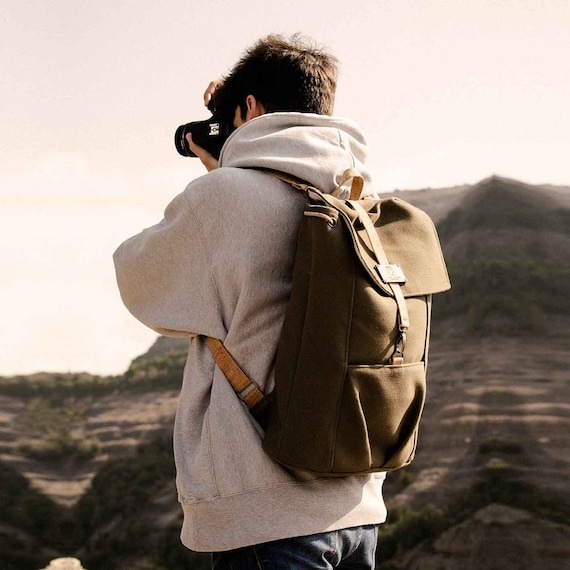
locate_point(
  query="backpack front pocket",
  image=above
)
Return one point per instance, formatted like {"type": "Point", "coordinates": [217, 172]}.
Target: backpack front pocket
{"type": "Point", "coordinates": [379, 417]}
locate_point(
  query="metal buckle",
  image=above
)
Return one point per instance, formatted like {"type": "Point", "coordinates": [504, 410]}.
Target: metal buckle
{"type": "Point", "coordinates": [397, 357]}
{"type": "Point", "coordinates": [391, 273]}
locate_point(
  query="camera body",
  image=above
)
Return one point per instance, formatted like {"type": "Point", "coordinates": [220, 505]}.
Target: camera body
{"type": "Point", "coordinates": [210, 134]}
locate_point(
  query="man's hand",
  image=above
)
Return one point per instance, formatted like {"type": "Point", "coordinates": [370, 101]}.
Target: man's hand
{"type": "Point", "coordinates": [210, 90]}
{"type": "Point", "coordinates": [207, 159]}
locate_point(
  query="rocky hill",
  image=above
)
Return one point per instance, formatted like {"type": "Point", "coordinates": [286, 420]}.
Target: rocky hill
{"type": "Point", "coordinates": [507, 248]}
{"type": "Point", "coordinates": [86, 462]}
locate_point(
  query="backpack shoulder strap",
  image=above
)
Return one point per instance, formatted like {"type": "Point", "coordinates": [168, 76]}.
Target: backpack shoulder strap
{"type": "Point", "coordinates": [297, 183]}
{"type": "Point", "coordinates": [347, 175]}
{"type": "Point", "coordinates": [244, 387]}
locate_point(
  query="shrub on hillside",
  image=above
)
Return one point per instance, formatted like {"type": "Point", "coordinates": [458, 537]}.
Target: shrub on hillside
{"type": "Point", "coordinates": [32, 524]}
{"type": "Point", "coordinates": [59, 448]}
{"type": "Point", "coordinates": [500, 444]}
{"type": "Point", "coordinates": [113, 515]}
{"type": "Point", "coordinates": [406, 528]}
{"type": "Point", "coordinates": [510, 293]}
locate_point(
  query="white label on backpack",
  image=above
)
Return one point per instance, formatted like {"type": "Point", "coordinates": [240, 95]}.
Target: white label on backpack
{"type": "Point", "coordinates": [391, 273]}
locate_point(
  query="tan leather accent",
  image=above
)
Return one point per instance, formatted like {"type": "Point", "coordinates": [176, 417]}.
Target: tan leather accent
{"type": "Point", "coordinates": [356, 186]}
{"type": "Point", "coordinates": [235, 375]}
{"type": "Point", "coordinates": [253, 397]}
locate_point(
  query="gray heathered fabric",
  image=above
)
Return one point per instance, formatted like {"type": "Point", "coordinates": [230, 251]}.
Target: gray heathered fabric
{"type": "Point", "coordinates": [220, 264]}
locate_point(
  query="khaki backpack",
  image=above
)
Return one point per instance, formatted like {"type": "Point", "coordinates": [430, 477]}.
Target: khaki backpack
{"type": "Point", "coordinates": [350, 370]}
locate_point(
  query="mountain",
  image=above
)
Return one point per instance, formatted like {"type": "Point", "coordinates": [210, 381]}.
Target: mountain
{"type": "Point", "coordinates": [162, 345]}
{"type": "Point", "coordinates": [507, 247]}
{"type": "Point", "coordinates": [439, 202]}
{"type": "Point", "coordinates": [505, 215]}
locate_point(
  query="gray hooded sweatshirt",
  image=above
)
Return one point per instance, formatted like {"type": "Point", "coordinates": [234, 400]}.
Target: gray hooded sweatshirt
{"type": "Point", "coordinates": [220, 264]}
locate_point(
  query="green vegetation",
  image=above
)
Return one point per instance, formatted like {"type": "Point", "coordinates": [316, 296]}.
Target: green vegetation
{"type": "Point", "coordinates": [500, 443]}
{"type": "Point", "coordinates": [510, 277]}
{"type": "Point", "coordinates": [498, 482]}
{"type": "Point", "coordinates": [57, 449]}
{"type": "Point", "coordinates": [107, 529]}
{"type": "Point", "coordinates": [162, 372]}
{"type": "Point", "coordinates": [406, 528]}
{"type": "Point", "coordinates": [55, 385]}
{"type": "Point", "coordinates": [113, 526]}
{"type": "Point", "coordinates": [113, 516]}
{"type": "Point", "coordinates": [398, 481]}
{"type": "Point", "coordinates": [51, 422]}
{"type": "Point", "coordinates": [42, 527]}
{"type": "Point", "coordinates": [504, 293]}
{"type": "Point", "coordinates": [123, 487]}
{"type": "Point", "coordinates": [501, 483]}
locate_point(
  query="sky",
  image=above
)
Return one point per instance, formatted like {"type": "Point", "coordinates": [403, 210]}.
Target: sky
{"type": "Point", "coordinates": [447, 91]}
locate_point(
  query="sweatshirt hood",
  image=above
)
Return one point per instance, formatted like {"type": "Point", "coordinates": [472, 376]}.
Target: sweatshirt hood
{"type": "Point", "coordinates": [314, 148]}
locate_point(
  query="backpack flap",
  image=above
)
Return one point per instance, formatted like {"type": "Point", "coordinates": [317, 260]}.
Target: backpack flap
{"type": "Point", "coordinates": [409, 239]}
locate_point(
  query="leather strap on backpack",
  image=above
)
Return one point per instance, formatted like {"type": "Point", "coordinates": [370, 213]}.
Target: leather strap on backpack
{"type": "Point", "coordinates": [350, 174]}
{"type": "Point", "coordinates": [403, 318]}
{"type": "Point", "coordinates": [356, 186]}
{"type": "Point", "coordinates": [244, 387]}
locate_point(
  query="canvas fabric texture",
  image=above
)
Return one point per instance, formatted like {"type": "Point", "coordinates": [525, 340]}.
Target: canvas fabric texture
{"type": "Point", "coordinates": [351, 361]}
{"type": "Point", "coordinates": [220, 265]}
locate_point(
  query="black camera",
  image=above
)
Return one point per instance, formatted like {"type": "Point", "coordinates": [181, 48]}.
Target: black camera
{"type": "Point", "coordinates": [210, 134]}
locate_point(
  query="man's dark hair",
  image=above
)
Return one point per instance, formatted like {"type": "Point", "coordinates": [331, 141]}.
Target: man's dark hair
{"type": "Point", "coordinates": [283, 75]}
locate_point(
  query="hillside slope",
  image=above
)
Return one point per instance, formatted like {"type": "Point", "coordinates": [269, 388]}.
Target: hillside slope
{"type": "Point", "coordinates": [507, 246]}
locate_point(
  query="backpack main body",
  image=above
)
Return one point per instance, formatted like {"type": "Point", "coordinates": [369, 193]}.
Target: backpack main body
{"type": "Point", "coordinates": [350, 370]}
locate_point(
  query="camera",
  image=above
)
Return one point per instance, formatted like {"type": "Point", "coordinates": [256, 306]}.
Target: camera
{"type": "Point", "coordinates": [210, 134]}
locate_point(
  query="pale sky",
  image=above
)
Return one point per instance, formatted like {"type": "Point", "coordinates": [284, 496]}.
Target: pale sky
{"type": "Point", "coordinates": [447, 91]}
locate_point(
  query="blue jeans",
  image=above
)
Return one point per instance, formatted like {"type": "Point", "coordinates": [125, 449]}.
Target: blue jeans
{"type": "Point", "coordinates": [346, 549]}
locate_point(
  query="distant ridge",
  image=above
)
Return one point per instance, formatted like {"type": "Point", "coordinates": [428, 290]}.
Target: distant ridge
{"type": "Point", "coordinates": [507, 246]}
{"type": "Point", "coordinates": [439, 202]}
{"type": "Point", "coordinates": [499, 203]}
{"type": "Point", "coordinates": [163, 345]}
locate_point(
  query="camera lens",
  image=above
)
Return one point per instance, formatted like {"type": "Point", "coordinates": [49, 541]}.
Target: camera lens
{"type": "Point", "coordinates": [210, 135]}
{"type": "Point", "coordinates": [181, 143]}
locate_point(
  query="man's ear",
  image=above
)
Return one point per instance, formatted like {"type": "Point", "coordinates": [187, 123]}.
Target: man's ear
{"type": "Point", "coordinates": [254, 108]}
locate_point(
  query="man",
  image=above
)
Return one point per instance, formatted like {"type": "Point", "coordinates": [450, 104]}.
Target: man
{"type": "Point", "coordinates": [220, 264]}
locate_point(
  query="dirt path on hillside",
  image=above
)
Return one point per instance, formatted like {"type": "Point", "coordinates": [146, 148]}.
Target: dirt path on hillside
{"type": "Point", "coordinates": [114, 424]}
{"type": "Point", "coordinates": [483, 398]}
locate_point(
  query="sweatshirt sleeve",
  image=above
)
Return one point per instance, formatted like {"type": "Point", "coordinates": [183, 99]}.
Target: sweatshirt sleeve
{"type": "Point", "coordinates": [164, 275]}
